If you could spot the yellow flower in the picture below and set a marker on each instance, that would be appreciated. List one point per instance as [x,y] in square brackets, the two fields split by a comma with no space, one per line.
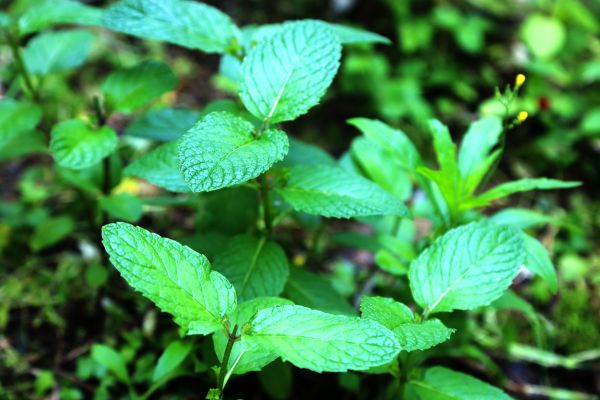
[128,185]
[522,116]
[519,80]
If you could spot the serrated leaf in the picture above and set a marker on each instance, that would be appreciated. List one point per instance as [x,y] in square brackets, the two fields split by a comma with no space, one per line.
[522,185]
[16,118]
[185,23]
[386,311]
[538,261]
[322,342]
[256,267]
[165,124]
[350,35]
[111,360]
[315,291]
[128,89]
[160,167]
[122,206]
[170,359]
[441,383]
[74,144]
[333,192]
[287,74]
[57,51]
[466,268]
[54,12]
[249,356]
[176,278]
[221,150]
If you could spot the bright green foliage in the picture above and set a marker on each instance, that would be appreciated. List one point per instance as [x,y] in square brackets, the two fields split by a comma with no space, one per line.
[466,268]
[287,74]
[349,35]
[221,150]
[160,167]
[164,124]
[176,278]
[184,23]
[249,356]
[333,192]
[545,36]
[301,153]
[74,144]
[172,357]
[398,318]
[47,13]
[122,206]
[16,118]
[256,267]
[322,342]
[477,143]
[523,185]
[441,383]
[538,261]
[521,218]
[57,51]
[130,88]
[312,290]
[111,360]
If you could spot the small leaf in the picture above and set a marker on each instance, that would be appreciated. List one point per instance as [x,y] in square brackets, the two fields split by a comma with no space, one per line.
[315,291]
[466,268]
[165,124]
[185,23]
[111,360]
[51,231]
[176,278]
[477,143]
[74,144]
[16,118]
[57,51]
[443,383]
[173,356]
[521,218]
[538,261]
[128,89]
[322,342]
[221,150]
[47,13]
[350,35]
[333,192]
[123,206]
[287,74]
[255,267]
[160,167]
[522,185]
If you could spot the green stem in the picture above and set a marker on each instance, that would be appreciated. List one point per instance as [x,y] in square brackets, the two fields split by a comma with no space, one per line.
[223,371]
[266,202]
[13,42]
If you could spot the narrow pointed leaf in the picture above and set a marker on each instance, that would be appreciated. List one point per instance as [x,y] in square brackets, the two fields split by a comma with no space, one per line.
[349,35]
[538,261]
[522,185]
[171,358]
[477,143]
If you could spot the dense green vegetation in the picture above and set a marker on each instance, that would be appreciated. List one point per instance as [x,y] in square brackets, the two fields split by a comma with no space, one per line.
[373,200]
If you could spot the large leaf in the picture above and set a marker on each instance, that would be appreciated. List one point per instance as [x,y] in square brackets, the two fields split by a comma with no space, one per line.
[57,51]
[333,192]
[74,144]
[130,88]
[256,267]
[176,278]
[538,261]
[165,124]
[53,12]
[16,118]
[322,342]
[245,355]
[160,167]
[286,75]
[522,185]
[185,23]
[466,268]
[441,383]
[221,150]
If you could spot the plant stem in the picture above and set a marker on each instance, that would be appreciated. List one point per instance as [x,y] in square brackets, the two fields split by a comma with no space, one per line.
[13,42]
[266,202]
[223,371]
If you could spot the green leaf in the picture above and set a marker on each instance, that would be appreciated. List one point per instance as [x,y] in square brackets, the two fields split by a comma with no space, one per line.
[57,51]
[160,167]
[256,267]
[17,118]
[130,88]
[301,153]
[248,355]
[441,383]
[386,311]
[545,36]
[221,150]
[538,261]
[185,23]
[466,268]
[315,291]
[176,278]
[521,218]
[322,342]
[28,142]
[333,192]
[111,360]
[349,35]
[522,185]
[477,143]
[57,12]
[164,125]
[287,74]
[74,144]
[171,358]
[123,206]
[51,231]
